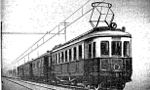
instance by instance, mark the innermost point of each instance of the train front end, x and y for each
(112, 63)
(114, 58)
(115, 72)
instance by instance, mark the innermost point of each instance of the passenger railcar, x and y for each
(20, 71)
(40, 67)
(102, 55)
(25, 71)
(11, 73)
(98, 58)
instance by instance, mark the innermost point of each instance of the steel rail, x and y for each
(18, 83)
(27, 83)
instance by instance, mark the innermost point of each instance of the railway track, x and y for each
(29, 85)
(43, 86)
(19, 84)
(32, 85)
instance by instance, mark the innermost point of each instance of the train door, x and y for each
(46, 67)
(31, 71)
(22, 72)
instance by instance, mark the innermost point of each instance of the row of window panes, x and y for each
(66, 56)
(116, 48)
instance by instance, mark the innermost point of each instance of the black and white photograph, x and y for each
(75, 45)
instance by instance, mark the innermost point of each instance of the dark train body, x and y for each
(101, 56)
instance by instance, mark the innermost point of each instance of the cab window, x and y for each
(104, 48)
(116, 48)
(126, 49)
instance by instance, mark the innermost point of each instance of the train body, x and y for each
(98, 58)
(101, 56)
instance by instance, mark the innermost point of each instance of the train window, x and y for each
(56, 58)
(37, 64)
(53, 58)
(80, 51)
(70, 54)
(66, 56)
(94, 49)
(116, 48)
(89, 52)
(59, 57)
(49, 61)
(32, 65)
(126, 49)
(74, 53)
(104, 48)
(62, 57)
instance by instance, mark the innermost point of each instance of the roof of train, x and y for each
(45, 54)
(97, 32)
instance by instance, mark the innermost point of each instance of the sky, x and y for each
(43, 15)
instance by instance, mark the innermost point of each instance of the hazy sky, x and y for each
(43, 15)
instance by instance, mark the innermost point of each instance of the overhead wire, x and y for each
(54, 34)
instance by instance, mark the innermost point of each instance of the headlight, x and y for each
(116, 66)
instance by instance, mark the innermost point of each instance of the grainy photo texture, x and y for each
(75, 44)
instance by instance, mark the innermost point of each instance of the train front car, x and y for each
(117, 65)
(108, 52)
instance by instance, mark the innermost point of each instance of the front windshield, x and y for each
(116, 48)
